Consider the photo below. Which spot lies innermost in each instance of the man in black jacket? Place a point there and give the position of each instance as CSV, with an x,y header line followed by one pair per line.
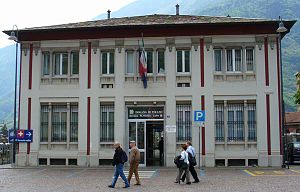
x,y
120,157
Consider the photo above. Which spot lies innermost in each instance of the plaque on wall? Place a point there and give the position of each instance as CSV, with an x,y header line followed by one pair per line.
x,y
145,113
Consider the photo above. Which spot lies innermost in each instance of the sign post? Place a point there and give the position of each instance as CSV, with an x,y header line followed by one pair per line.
x,y
199,117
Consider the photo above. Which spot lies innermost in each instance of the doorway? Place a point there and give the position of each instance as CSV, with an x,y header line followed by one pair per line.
x,y
154,143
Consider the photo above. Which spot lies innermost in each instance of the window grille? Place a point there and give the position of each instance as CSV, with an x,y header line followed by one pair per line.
x,y
59,123
183,122
44,123
219,122
74,123
235,122
252,122
106,123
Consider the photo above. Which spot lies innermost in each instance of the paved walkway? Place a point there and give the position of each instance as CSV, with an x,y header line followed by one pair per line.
x,y
153,179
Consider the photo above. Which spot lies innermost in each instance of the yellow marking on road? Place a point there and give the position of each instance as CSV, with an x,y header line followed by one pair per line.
x,y
279,172
259,172
250,173
296,171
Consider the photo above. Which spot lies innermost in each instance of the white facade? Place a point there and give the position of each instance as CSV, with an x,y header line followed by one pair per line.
x,y
224,88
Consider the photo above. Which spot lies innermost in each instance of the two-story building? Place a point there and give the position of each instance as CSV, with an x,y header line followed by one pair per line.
x,y
81,90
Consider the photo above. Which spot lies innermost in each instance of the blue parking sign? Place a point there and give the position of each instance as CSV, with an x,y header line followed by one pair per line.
x,y
199,115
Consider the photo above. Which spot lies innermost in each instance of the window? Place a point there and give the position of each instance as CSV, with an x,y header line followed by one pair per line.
x,y
75,62
107,123
219,122
129,62
44,123
183,61
46,63
108,62
74,123
160,61
234,59
218,59
235,122
149,61
252,122
60,63
59,122
250,59
183,122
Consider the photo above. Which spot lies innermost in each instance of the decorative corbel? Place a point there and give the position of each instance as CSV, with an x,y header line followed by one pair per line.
x,y
95,46
195,43
119,45
170,43
208,42
260,41
25,48
36,47
83,46
272,41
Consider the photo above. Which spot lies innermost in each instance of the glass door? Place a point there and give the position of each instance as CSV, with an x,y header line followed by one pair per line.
x,y
137,133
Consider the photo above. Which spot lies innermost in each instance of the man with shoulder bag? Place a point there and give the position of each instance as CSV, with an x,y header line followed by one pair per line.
x,y
192,159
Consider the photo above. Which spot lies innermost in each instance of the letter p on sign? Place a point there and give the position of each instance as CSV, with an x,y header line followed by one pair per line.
x,y
199,115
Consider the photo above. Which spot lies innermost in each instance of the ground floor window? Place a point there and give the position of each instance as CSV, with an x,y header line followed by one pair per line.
x,y
60,121
107,116
183,122
235,119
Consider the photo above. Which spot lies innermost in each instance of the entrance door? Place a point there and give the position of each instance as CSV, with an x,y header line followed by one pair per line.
x,y
137,133
155,143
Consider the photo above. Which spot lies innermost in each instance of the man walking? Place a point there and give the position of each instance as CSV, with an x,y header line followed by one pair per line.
x,y
191,151
120,158
134,160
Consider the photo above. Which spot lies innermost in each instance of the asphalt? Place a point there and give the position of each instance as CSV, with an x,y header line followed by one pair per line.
x,y
64,179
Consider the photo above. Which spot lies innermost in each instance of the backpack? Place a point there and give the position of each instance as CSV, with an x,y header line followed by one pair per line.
x,y
176,160
124,157
192,159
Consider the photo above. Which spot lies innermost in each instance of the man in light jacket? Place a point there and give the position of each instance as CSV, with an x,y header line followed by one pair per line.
x,y
134,160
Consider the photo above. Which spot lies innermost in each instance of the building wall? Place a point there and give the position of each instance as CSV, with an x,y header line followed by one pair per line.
x,y
165,92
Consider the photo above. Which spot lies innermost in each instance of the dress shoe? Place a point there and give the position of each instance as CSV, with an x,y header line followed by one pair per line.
x,y
188,183
137,184
110,186
195,181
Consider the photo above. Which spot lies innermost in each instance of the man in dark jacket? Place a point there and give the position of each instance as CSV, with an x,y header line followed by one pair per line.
x,y
120,158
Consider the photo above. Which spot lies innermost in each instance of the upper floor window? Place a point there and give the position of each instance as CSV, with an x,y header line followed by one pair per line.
x,y
160,61
75,62
218,59
149,62
60,63
234,59
46,63
130,62
183,61
108,61
250,59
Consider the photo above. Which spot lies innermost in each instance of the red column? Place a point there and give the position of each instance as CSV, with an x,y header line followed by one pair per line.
x,y
203,128
89,64
30,66
29,122
202,62
266,61
88,125
268,124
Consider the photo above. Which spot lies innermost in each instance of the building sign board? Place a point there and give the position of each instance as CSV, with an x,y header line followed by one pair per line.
x,y
145,113
171,128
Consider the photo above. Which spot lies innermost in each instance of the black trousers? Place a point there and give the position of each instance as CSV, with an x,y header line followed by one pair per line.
x,y
193,173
